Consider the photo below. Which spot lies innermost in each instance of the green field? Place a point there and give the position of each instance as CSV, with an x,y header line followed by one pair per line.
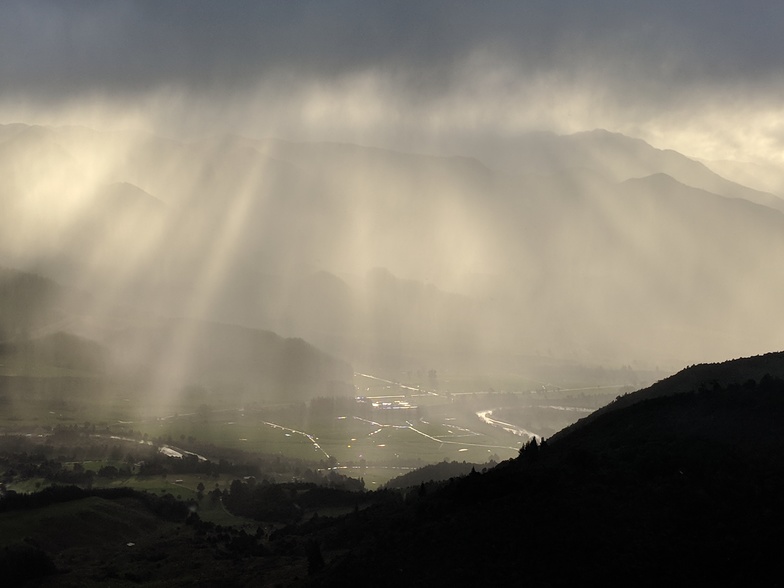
x,y
390,440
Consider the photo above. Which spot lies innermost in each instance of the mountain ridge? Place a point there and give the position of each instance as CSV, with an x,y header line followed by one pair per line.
x,y
565,258
730,372
157,354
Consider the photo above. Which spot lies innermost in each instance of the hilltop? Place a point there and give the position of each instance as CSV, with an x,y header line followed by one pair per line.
x,y
697,377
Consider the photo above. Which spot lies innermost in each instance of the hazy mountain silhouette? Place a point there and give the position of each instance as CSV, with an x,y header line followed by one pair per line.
x,y
764,177
594,247
234,363
150,355
615,158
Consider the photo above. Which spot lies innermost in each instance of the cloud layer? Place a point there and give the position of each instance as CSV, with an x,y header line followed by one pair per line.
x,y
704,76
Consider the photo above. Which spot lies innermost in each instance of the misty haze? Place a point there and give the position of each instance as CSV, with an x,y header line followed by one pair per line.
x,y
302,299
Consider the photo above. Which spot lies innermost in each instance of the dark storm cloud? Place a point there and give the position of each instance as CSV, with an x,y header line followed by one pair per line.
x,y
52,48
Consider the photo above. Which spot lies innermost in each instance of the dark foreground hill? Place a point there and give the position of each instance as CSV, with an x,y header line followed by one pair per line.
x,y
681,489
736,371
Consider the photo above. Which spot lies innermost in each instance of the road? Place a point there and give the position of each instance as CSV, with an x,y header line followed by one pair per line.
x,y
484,415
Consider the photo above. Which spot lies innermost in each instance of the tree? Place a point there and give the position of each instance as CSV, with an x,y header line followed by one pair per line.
x,y
530,450
215,496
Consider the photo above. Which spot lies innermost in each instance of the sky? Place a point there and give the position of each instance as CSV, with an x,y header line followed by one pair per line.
x,y
705,77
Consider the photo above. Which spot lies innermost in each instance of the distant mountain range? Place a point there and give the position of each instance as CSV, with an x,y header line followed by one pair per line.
x,y
592,247
615,157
